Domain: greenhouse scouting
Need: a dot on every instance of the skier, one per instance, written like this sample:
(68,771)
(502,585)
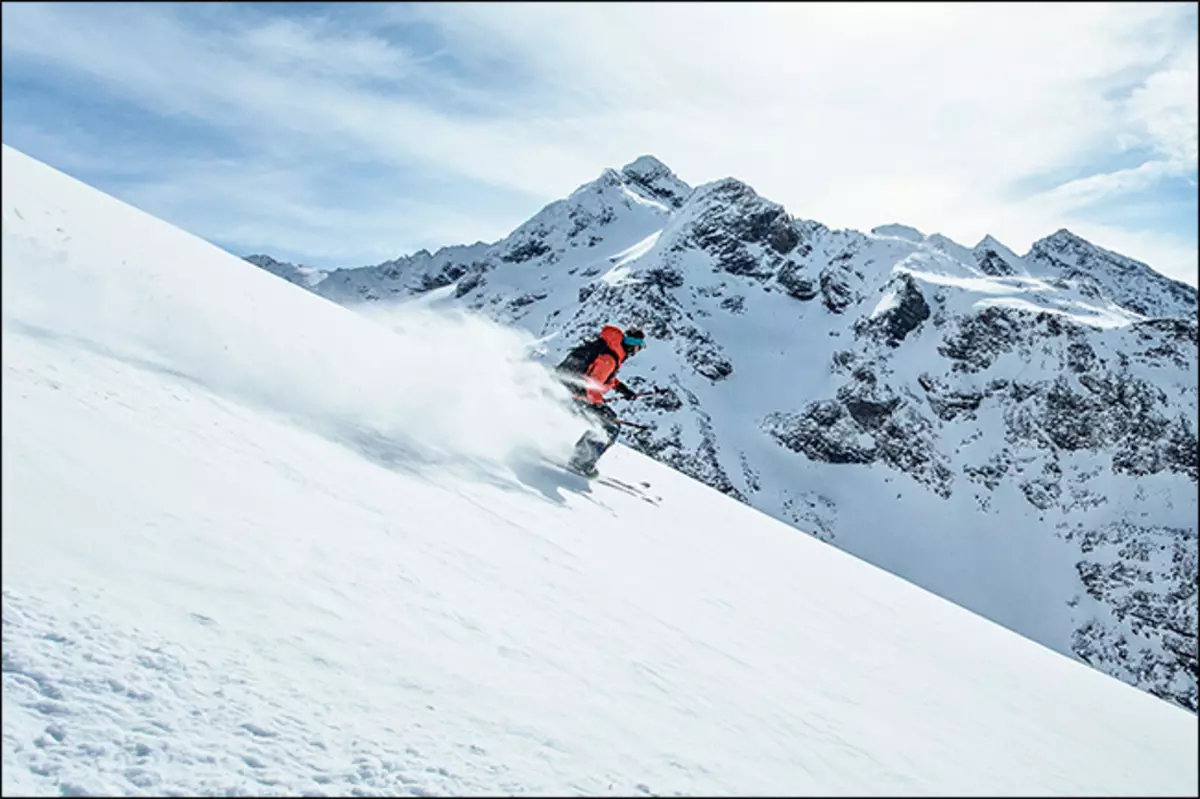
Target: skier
(589,371)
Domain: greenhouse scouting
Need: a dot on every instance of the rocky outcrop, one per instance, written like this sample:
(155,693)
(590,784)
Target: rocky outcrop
(823,431)
(797,281)
(905,312)
(1143,581)
(979,339)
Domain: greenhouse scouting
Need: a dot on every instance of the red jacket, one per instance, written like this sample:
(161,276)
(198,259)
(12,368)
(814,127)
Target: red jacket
(601,374)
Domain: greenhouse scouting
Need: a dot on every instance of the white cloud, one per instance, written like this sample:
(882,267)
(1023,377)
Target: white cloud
(285,43)
(1165,106)
(1094,188)
(852,114)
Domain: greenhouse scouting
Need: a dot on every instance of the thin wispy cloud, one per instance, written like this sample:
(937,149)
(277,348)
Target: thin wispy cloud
(345,134)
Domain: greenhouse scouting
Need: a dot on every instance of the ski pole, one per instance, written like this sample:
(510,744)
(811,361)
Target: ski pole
(634,424)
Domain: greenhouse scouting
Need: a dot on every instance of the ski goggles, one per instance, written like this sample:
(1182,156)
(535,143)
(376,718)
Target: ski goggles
(634,342)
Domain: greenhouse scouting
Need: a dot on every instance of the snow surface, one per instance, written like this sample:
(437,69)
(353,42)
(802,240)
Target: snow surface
(255,543)
(1107,318)
(636,251)
(886,303)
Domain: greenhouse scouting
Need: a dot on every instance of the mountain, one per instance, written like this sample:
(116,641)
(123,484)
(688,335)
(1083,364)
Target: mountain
(306,276)
(231,571)
(1016,433)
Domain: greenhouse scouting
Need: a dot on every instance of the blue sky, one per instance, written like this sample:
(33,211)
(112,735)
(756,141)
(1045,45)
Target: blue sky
(347,134)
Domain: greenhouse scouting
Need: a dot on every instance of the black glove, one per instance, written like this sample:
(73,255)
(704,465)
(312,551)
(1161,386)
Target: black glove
(625,391)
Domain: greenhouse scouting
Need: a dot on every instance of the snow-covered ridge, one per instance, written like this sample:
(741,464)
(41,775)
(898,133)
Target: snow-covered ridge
(988,410)
(214,585)
(653,176)
(1103,273)
(899,231)
(307,276)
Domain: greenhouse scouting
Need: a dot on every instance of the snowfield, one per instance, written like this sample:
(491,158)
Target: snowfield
(256,543)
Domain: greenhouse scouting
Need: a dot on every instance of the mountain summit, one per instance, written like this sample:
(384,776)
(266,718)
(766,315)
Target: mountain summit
(653,175)
(1016,433)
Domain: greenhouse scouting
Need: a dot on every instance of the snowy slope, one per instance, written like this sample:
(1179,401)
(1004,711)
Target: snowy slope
(229,569)
(1015,433)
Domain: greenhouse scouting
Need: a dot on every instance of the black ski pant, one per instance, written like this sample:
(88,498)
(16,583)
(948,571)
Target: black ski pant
(591,446)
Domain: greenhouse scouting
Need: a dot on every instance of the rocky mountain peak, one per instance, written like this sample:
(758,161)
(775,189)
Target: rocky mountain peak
(745,233)
(657,179)
(1102,273)
(899,231)
(737,204)
(989,242)
(995,259)
(1063,249)
(727,190)
(261,260)
(1062,238)
(647,166)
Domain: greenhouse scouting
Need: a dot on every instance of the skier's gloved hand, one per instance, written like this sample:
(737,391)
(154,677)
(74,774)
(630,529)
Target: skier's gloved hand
(625,391)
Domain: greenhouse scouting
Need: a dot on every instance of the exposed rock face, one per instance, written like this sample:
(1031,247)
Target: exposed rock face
(1027,421)
(1146,575)
(659,182)
(824,431)
(906,311)
(994,264)
(797,284)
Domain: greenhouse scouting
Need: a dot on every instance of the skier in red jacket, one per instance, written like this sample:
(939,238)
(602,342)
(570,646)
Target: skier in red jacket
(590,371)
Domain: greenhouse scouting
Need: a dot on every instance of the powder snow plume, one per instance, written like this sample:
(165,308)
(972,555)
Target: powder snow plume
(458,383)
(419,383)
